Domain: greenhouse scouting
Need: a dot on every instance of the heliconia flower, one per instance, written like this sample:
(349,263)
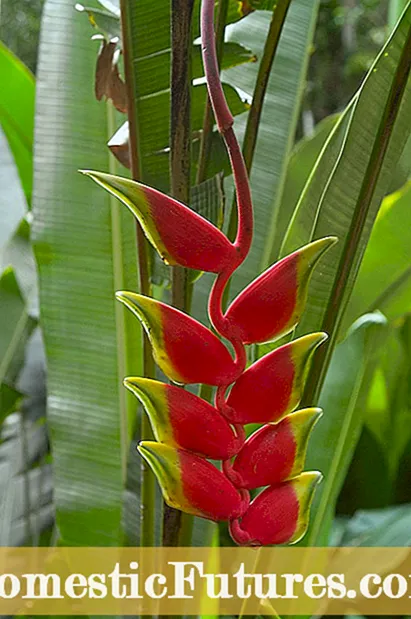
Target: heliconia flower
(272,387)
(272,304)
(182,419)
(275,452)
(192,484)
(280,514)
(178,233)
(184,349)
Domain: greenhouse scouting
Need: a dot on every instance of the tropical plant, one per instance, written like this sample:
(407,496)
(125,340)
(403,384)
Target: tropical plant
(348,179)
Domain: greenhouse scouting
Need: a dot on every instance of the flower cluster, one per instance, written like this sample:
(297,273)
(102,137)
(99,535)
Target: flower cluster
(190,431)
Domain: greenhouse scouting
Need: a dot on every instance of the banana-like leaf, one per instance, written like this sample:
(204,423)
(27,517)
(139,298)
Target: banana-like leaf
(361,173)
(332,443)
(384,279)
(17,113)
(85,249)
(278,120)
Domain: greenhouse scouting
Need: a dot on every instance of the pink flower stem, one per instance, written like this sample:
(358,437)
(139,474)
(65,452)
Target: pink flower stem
(225,121)
(242,241)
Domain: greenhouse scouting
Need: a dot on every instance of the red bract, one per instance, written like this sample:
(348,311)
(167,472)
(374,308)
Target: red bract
(279,515)
(185,350)
(180,235)
(275,452)
(272,387)
(182,419)
(192,484)
(273,303)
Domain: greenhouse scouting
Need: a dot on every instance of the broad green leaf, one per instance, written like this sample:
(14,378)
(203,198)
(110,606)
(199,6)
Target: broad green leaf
(379,528)
(85,249)
(329,208)
(300,164)
(12,199)
(17,113)
(279,117)
(333,441)
(384,278)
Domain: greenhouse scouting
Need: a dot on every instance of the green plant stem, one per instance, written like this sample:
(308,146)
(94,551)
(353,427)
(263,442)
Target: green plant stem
(174,525)
(339,299)
(147,533)
(208,122)
(118,271)
(253,121)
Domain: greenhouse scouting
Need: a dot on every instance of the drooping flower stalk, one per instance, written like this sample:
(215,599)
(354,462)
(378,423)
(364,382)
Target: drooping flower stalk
(189,431)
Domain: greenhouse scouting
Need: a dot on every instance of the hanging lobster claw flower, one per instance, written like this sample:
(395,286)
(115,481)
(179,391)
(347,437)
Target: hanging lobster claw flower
(272,304)
(280,514)
(182,419)
(185,350)
(275,452)
(192,484)
(178,233)
(272,387)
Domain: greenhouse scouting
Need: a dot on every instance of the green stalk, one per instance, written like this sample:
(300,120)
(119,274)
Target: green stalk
(253,121)
(208,122)
(118,263)
(174,525)
(339,299)
(147,534)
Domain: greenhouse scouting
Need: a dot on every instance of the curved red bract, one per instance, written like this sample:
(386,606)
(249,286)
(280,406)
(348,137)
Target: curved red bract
(264,310)
(195,353)
(208,490)
(193,241)
(267,457)
(272,517)
(199,427)
(264,392)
